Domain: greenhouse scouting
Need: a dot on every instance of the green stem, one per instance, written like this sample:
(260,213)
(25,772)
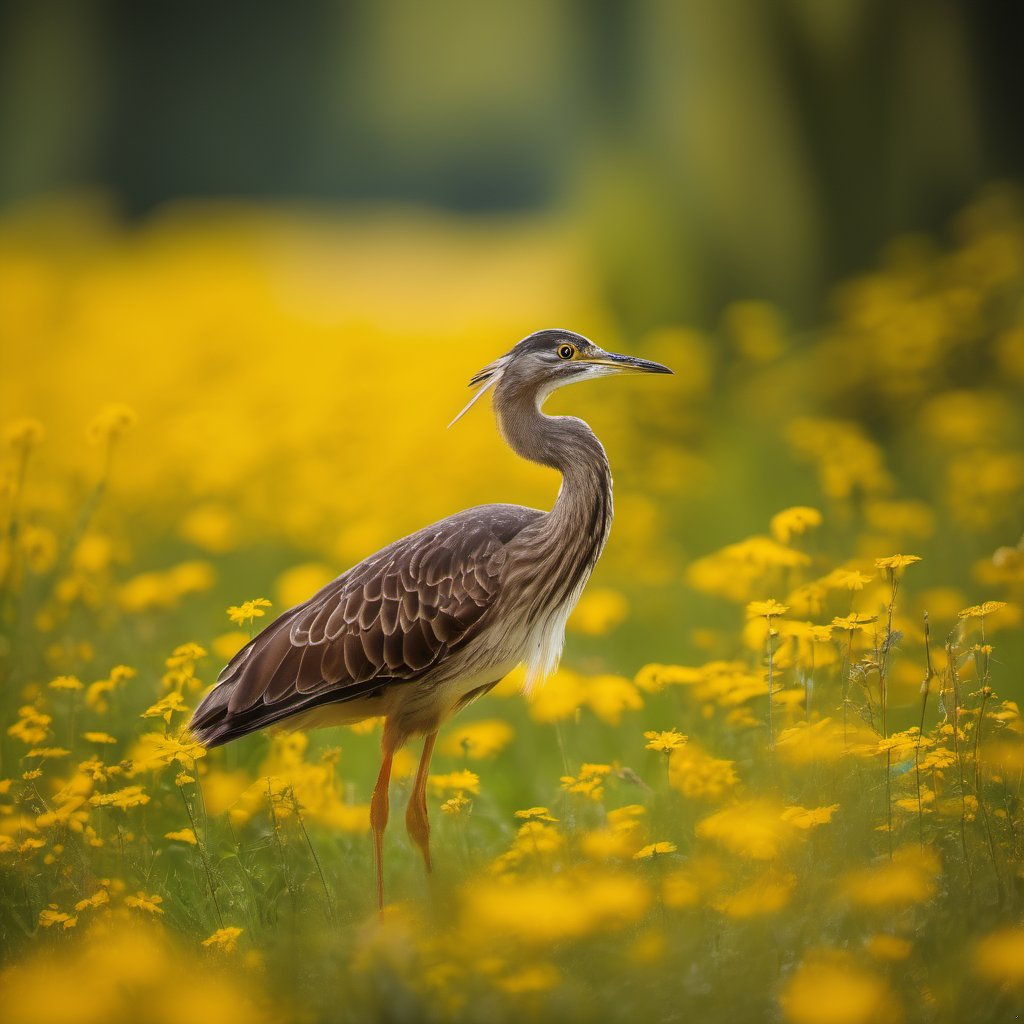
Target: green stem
(771,684)
(202,856)
(925,687)
(316,860)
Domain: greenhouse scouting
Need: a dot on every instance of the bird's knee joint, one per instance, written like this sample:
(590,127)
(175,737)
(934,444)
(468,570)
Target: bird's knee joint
(417,823)
(378,814)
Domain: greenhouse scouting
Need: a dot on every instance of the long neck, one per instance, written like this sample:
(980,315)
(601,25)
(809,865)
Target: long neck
(574,531)
(564,443)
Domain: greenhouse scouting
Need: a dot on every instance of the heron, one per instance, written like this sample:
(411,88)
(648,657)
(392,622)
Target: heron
(433,621)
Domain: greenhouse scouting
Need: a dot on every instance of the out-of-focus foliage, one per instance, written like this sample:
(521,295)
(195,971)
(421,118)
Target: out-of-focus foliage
(708,150)
(763,784)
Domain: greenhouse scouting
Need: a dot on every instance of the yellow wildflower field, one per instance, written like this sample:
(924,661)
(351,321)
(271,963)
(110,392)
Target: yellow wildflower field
(779,774)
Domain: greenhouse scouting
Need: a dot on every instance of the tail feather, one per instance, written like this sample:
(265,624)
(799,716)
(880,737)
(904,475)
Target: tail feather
(214,723)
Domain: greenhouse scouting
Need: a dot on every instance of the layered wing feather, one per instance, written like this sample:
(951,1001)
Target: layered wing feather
(388,620)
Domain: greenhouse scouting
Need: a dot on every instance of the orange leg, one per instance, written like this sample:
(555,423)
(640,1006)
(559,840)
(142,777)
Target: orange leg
(416,820)
(379,815)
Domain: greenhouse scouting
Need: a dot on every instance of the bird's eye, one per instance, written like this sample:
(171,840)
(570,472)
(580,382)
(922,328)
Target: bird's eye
(566,351)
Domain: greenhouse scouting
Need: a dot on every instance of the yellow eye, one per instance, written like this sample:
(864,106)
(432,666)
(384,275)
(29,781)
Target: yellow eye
(566,351)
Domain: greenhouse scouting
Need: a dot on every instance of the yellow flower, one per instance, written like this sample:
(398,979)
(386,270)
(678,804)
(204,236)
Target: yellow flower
(626,817)
(184,656)
(846,459)
(40,547)
(25,433)
(754,829)
(664,742)
(853,622)
(767,895)
(96,694)
(185,835)
(226,645)
(244,613)
(999,957)
(622,837)
(123,799)
(766,609)
(93,554)
(609,696)
(901,744)
(907,879)
(224,940)
(536,837)
(65,683)
(111,422)
(366,726)
(852,579)
(51,916)
(808,632)
(48,753)
(122,673)
(455,805)
(478,740)
(300,582)
(698,775)
(98,737)
(96,770)
(140,901)
(894,562)
(979,611)
(212,527)
(98,899)
(464,780)
(560,697)
(536,978)
(588,782)
(904,519)
(833,990)
(825,740)
(541,911)
(613,843)
(736,571)
(535,814)
(654,850)
(181,668)
(599,611)
(32,726)
(166,706)
(803,817)
(680,890)
(794,522)
(154,750)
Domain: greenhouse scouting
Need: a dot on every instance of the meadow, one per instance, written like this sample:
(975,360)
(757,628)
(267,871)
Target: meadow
(778,775)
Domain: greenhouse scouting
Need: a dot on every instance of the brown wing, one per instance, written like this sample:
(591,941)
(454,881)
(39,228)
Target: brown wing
(389,619)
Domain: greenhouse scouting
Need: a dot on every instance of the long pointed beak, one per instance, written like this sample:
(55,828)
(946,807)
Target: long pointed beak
(625,364)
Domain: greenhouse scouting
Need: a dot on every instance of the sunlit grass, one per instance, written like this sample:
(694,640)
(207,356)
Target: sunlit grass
(779,773)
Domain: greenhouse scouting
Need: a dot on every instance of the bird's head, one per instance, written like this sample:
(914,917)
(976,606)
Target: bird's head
(547,360)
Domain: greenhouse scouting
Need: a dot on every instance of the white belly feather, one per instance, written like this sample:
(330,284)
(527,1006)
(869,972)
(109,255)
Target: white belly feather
(544,642)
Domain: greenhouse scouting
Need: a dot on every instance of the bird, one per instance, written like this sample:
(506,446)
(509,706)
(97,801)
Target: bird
(430,623)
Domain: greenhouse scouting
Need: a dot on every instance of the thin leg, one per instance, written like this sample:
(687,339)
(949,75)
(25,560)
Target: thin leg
(416,820)
(379,818)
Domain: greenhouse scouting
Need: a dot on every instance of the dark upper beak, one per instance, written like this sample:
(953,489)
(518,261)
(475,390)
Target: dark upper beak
(626,364)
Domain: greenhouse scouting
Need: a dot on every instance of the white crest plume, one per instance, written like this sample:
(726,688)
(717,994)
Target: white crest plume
(487,377)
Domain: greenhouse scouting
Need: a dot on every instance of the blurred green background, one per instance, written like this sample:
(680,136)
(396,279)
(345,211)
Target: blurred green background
(709,150)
